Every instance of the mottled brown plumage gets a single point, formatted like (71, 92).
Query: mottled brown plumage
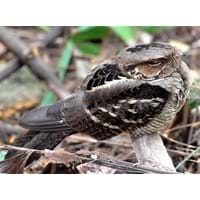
(138, 91)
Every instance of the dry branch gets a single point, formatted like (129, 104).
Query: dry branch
(11, 67)
(63, 157)
(150, 151)
(52, 35)
(27, 56)
(8, 130)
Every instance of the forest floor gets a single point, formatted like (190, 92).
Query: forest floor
(73, 53)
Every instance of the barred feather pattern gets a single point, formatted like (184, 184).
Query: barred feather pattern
(139, 91)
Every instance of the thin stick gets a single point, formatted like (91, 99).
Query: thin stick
(194, 124)
(99, 159)
(30, 58)
(177, 142)
(188, 157)
(54, 33)
(11, 67)
(8, 130)
(130, 167)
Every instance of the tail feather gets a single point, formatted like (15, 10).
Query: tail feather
(47, 118)
(47, 130)
(40, 140)
(33, 140)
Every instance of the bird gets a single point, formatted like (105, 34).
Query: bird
(138, 91)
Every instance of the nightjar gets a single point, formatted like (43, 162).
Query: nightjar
(139, 91)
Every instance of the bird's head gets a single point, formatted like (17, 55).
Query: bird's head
(149, 61)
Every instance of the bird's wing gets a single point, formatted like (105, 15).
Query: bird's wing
(101, 75)
(48, 118)
(132, 108)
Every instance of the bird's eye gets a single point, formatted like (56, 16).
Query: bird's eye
(132, 72)
(155, 63)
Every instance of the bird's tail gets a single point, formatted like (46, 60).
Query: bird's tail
(47, 129)
(32, 140)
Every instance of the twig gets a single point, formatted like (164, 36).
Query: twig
(8, 130)
(55, 32)
(188, 157)
(182, 153)
(143, 159)
(92, 157)
(11, 67)
(177, 142)
(30, 58)
(127, 167)
(20, 149)
(16, 64)
(183, 126)
(3, 53)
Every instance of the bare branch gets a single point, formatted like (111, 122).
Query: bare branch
(8, 130)
(30, 58)
(11, 67)
(60, 156)
(52, 35)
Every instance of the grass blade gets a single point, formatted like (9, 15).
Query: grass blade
(126, 33)
(90, 33)
(2, 155)
(154, 29)
(188, 157)
(48, 98)
(65, 59)
(89, 48)
(44, 28)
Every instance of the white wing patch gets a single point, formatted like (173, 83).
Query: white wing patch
(107, 111)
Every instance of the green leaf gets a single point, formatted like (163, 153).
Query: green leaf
(194, 96)
(193, 103)
(64, 60)
(84, 28)
(154, 29)
(44, 28)
(2, 155)
(92, 33)
(49, 98)
(126, 33)
(89, 48)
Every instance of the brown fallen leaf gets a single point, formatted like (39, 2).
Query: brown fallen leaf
(70, 160)
(60, 156)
